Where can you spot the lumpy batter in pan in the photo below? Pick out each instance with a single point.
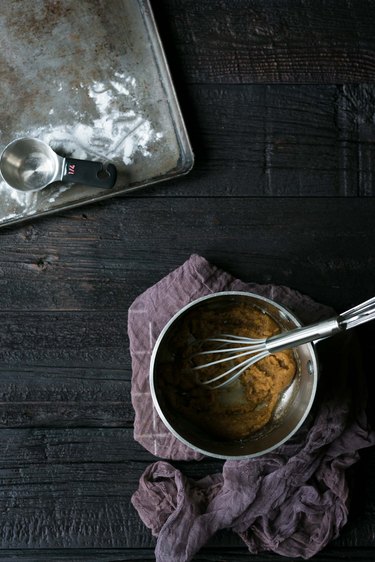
(242, 408)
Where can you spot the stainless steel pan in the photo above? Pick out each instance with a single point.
(294, 405)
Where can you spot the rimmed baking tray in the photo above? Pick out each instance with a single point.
(91, 79)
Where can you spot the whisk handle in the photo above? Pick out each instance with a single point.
(357, 315)
(306, 334)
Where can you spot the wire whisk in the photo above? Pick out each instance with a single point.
(243, 352)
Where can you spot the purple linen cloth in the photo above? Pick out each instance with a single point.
(292, 501)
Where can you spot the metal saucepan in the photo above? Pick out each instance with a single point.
(294, 404)
(29, 164)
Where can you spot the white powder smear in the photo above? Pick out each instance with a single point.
(114, 129)
(117, 129)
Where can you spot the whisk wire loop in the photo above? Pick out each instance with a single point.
(237, 370)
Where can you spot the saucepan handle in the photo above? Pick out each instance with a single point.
(304, 334)
(90, 173)
(357, 315)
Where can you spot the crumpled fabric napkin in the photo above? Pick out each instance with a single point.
(291, 501)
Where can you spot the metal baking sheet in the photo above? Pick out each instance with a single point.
(89, 78)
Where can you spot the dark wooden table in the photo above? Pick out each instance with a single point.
(279, 100)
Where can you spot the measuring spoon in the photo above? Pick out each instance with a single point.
(29, 164)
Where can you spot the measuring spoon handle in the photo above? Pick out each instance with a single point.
(89, 173)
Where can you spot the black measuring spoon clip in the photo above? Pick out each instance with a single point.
(89, 172)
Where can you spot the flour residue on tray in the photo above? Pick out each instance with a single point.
(107, 123)
(113, 128)
(120, 130)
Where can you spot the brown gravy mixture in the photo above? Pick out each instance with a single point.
(240, 409)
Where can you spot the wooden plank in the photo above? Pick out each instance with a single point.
(60, 492)
(275, 141)
(206, 555)
(65, 397)
(71, 489)
(320, 246)
(278, 41)
(272, 140)
(83, 340)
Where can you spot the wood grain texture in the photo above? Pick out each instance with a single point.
(278, 41)
(71, 488)
(222, 554)
(247, 138)
(96, 266)
(278, 140)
